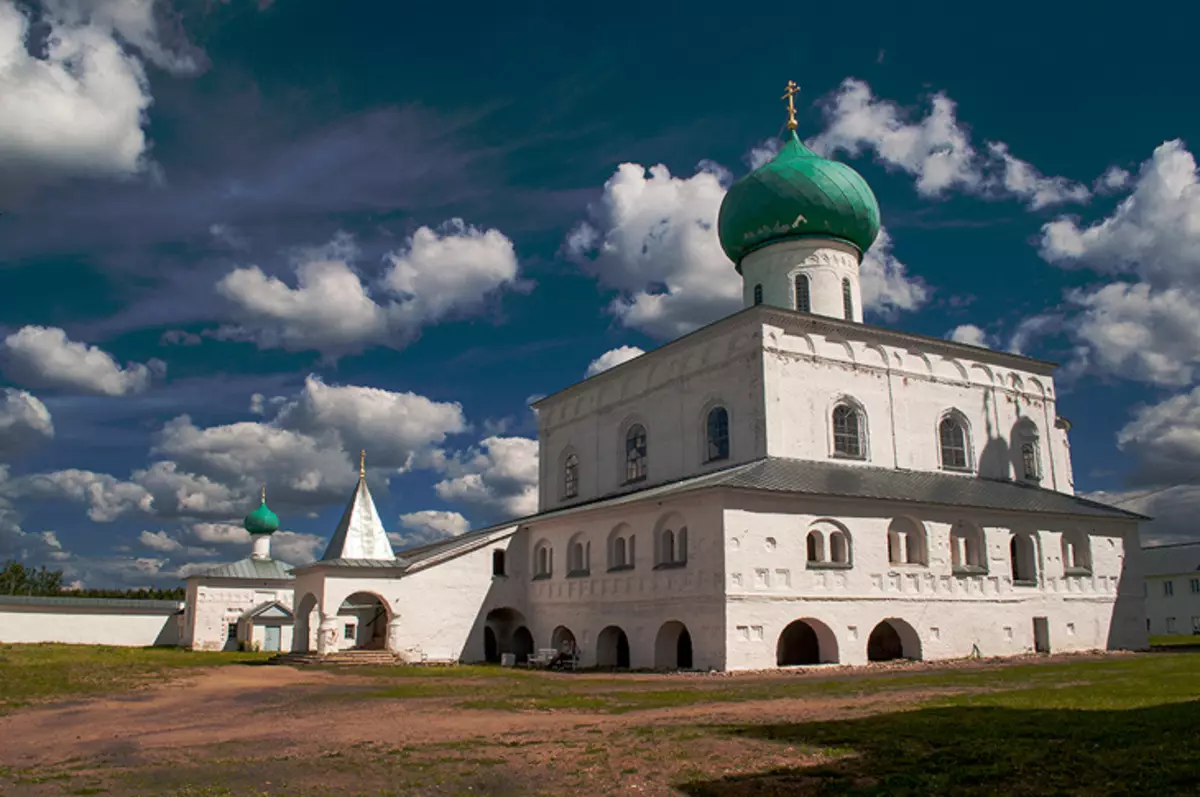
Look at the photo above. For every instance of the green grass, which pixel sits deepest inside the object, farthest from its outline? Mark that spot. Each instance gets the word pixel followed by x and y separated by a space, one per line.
pixel 1127 727
pixel 30 673
pixel 1174 640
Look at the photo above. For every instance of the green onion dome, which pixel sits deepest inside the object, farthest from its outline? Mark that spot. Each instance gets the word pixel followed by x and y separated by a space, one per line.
pixel 261 520
pixel 798 194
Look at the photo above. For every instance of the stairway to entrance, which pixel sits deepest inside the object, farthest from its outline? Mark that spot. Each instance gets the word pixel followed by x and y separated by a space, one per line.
pixel 347 658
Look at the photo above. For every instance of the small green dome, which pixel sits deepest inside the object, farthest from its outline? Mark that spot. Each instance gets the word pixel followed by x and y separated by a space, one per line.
pixel 797 194
pixel 261 520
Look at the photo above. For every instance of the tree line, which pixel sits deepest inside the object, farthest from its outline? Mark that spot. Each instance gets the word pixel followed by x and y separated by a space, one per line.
pixel 17 579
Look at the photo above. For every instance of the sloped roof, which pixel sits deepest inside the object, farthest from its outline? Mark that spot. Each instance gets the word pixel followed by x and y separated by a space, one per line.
pixel 807 477
pixel 359 534
pixel 1170 560
pixel 55 601
pixel 266 606
pixel 251 569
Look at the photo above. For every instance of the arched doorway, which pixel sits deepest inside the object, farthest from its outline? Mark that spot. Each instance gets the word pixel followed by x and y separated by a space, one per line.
pixel 307 621
pixel 806 641
pixel 491 649
pixel 612 648
pixel 507 629
pixel 563 640
pixel 522 644
pixel 673 647
pixel 893 639
pixel 363 622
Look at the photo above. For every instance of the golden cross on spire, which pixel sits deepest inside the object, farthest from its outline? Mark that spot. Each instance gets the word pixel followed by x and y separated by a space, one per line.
pixel 362 464
pixel 264 494
pixel 789 94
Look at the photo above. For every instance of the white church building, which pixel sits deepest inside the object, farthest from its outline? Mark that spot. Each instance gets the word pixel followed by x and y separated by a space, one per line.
pixel 785 486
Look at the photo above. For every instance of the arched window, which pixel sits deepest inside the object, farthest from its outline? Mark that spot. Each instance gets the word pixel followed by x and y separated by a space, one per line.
pixel 803 300
pixel 967 552
pixel 578 556
pixel 839 548
pixel 847 431
pixel 667 547
pixel 635 453
pixel 620 557
pixel 717 433
pixel 952 437
pixel 906 542
pixel 758 294
pixel 847 300
pixel 570 476
pixel 542 561
pixel 816 547
pixel 672 547
pixel 1026 443
pixel 620 548
pixel 1076 554
pixel 1023 557
pixel 498 563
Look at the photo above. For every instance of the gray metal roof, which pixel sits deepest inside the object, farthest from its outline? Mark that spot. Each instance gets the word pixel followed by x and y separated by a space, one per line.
pixel 808 477
pixel 151 606
pixel 266 606
pixel 1171 560
pixel 776 474
pixel 249 569
pixel 382 564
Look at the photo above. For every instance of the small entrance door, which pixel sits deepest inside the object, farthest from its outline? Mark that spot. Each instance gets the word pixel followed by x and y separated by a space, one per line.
pixel 271 642
pixel 1041 635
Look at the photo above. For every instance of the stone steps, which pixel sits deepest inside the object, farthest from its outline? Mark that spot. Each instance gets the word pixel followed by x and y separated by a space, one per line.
pixel 347 658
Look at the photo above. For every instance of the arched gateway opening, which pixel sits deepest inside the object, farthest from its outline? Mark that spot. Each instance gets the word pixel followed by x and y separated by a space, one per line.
pixel 504 631
pixel 612 648
pixel 363 619
pixel 893 639
pixel 806 641
pixel 307 621
pixel 673 647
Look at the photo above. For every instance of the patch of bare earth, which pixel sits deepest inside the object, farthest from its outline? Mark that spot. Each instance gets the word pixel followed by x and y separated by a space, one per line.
pixel 274 730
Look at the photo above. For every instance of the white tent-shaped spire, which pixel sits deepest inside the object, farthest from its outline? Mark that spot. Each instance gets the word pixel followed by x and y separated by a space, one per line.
pixel 360 534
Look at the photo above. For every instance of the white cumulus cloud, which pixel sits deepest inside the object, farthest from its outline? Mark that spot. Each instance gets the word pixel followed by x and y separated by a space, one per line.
pixel 427 526
pixel 24 422
pixel 498 477
pixel 45 357
pixel 438 274
pixel 612 358
pixel 970 335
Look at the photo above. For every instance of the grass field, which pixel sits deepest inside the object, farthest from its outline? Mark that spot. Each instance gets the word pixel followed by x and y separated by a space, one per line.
pixel 1122 724
pixel 1175 640
pixel 40 672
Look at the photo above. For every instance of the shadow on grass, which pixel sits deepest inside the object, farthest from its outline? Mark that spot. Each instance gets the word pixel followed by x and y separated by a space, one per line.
pixel 982 750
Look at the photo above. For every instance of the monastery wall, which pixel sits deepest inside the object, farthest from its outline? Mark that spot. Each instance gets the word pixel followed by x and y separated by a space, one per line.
pixel 639 598
pixel 74 623
pixel 670 392
pixel 904 393
pixel 770 582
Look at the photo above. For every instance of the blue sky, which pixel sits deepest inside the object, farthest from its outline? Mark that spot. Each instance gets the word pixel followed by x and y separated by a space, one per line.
pixel 240 240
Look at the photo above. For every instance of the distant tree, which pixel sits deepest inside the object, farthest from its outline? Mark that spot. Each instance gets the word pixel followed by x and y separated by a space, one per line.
pixel 17 579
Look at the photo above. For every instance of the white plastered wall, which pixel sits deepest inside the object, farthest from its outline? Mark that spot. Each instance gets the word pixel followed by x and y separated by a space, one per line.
pixel 670 391
pixel 639 601
pixel 769 583
pixel 825 262
pixel 904 394
pixel 84 626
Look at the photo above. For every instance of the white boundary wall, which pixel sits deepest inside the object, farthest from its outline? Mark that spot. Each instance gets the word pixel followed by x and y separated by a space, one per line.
pixel 136 624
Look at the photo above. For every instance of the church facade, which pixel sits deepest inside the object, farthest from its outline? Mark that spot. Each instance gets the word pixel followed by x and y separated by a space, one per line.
pixel 785 486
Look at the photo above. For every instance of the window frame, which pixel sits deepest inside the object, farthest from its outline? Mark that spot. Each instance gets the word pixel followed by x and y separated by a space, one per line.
pixel 569 487
pixel 847 299
pixel 797 280
pixel 855 411
pixel 721 454
pixel 637 467
pixel 957 422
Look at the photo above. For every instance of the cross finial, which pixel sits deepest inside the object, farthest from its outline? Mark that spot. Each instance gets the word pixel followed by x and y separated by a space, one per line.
pixel 789 94
pixel 362 464
pixel 264 494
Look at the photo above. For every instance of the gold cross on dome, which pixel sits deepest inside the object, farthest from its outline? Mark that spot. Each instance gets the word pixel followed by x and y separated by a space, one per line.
pixel 362 463
pixel 789 94
pixel 264 494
